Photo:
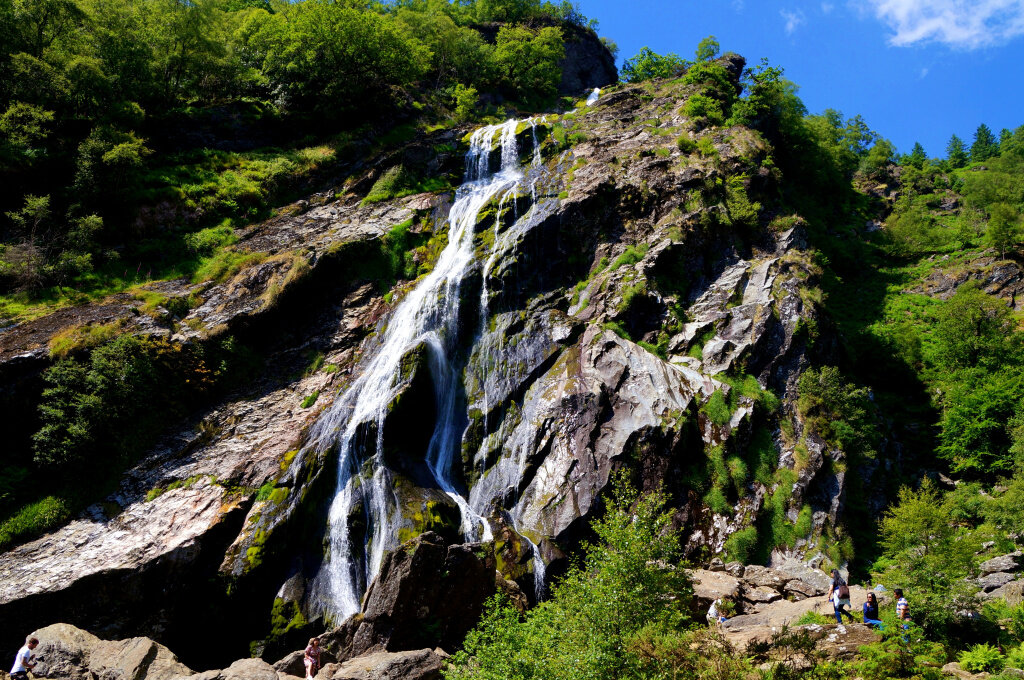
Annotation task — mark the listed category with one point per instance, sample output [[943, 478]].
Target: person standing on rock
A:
[[839, 593], [23, 662], [311, 658]]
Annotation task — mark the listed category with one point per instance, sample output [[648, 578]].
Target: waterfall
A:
[[592, 97], [428, 315]]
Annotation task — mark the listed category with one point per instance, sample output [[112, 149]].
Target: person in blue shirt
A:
[[871, 612]]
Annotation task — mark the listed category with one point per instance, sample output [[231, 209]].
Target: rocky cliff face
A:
[[643, 312]]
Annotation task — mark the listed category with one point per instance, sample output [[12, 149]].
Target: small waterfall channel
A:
[[428, 315]]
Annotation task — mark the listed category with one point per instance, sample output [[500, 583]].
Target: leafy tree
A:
[[972, 329], [527, 61], [985, 145], [878, 158], [26, 261], [929, 557], [629, 581], [912, 227], [847, 142], [25, 127], [1003, 227], [837, 410], [457, 54], [707, 49], [956, 152], [648, 65], [331, 58], [42, 22]]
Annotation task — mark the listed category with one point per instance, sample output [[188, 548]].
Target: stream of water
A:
[[428, 316]]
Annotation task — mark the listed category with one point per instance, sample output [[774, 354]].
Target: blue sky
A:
[[917, 70]]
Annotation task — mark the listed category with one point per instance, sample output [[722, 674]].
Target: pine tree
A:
[[917, 157], [985, 145], [956, 152]]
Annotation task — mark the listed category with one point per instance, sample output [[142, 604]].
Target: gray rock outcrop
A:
[[421, 664], [68, 652], [401, 611]]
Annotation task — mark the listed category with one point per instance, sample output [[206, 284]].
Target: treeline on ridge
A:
[[126, 124]]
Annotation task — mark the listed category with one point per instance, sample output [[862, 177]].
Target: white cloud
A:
[[827, 7], [964, 24], [793, 20], [924, 72]]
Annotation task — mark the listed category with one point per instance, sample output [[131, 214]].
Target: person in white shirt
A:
[[23, 662]]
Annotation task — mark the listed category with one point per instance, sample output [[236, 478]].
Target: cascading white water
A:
[[592, 97], [427, 315]]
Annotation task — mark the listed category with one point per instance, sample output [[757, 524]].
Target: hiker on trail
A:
[[311, 658], [871, 611], [839, 593], [24, 662]]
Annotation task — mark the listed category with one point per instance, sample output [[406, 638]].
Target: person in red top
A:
[[311, 658]]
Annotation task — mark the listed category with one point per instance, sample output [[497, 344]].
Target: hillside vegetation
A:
[[139, 139], [136, 134]]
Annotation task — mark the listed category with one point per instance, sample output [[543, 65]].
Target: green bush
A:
[[706, 146], [686, 144], [981, 658], [630, 256], [740, 546], [717, 408], [702, 106], [628, 581], [1015, 657], [34, 519]]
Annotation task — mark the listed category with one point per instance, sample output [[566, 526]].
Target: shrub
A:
[[702, 106], [981, 658], [698, 653], [1015, 657], [627, 583], [686, 144], [630, 256], [706, 146], [717, 408], [740, 545]]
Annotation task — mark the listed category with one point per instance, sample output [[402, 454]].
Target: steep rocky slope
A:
[[642, 310]]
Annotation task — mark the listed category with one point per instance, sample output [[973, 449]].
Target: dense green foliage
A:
[[630, 593], [126, 126], [99, 414]]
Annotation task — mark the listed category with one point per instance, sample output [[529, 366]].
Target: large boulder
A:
[[1003, 563], [243, 669], [1012, 592], [765, 577], [427, 594], [761, 594], [709, 586], [990, 582], [798, 570], [798, 590], [420, 664], [65, 651]]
